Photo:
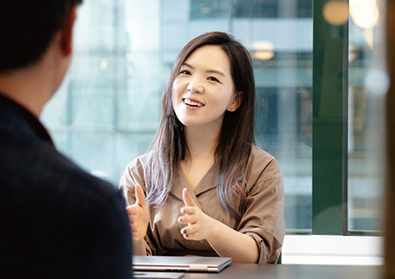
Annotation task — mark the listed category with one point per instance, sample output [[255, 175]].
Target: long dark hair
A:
[[169, 146]]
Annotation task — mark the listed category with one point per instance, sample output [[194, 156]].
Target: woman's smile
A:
[[203, 89], [192, 103]]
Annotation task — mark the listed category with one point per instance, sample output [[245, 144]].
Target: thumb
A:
[[187, 198], [140, 197]]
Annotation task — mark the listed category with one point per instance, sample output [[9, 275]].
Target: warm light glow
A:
[[368, 35], [352, 53], [263, 55], [364, 13], [205, 10], [335, 12], [103, 64], [263, 50], [263, 45], [352, 56]]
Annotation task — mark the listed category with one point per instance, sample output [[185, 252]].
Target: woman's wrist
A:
[[215, 231], [139, 247]]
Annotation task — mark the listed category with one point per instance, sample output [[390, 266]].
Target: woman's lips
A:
[[192, 103]]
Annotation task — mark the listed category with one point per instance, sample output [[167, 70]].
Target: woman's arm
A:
[[226, 241], [139, 247], [137, 208], [138, 218]]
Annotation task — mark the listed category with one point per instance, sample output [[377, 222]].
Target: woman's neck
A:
[[202, 142]]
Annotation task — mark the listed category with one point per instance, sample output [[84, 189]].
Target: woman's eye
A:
[[185, 72], [213, 79]]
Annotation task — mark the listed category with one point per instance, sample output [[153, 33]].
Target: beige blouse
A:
[[263, 218]]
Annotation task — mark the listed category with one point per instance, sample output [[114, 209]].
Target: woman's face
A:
[[203, 89]]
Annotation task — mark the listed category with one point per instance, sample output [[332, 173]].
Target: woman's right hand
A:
[[138, 214]]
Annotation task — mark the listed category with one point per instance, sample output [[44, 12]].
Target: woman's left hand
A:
[[225, 241], [199, 225]]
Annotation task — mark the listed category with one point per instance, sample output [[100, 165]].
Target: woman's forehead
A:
[[212, 57]]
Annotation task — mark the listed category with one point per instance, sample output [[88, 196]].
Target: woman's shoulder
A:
[[261, 162], [134, 173], [138, 164], [260, 155]]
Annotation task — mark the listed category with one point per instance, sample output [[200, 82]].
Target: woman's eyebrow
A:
[[216, 72], [208, 71], [186, 64]]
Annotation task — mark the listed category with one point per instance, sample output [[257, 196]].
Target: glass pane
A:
[[367, 86], [108, 108]]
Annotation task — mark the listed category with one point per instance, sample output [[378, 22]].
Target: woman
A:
[[205, 188]]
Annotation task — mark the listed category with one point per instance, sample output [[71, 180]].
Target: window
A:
[[366, 89], [256, 9], [312, 97], [209, 9]]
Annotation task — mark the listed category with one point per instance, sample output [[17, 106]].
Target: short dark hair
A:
[[27, 28]]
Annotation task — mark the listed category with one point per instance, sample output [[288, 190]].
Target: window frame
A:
[[330, 120], [330, 127]]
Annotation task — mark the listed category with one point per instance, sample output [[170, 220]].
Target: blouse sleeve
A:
[[132, 176], [263, 219]]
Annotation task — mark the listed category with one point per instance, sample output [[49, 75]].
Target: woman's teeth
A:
[[192, 103]]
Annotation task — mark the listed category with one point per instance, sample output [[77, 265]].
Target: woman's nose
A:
[[195, 86]]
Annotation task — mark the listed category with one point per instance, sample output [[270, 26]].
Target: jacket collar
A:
[[207, 183], [20, 119]]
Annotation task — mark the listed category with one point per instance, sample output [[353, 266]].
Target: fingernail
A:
[[181, 220], [185, 231], [184, 210], [186, 235]]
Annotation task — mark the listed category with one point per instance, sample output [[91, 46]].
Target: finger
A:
[[133, 219], [131, 209], [140, 197], [187, 219], [188, 230], [187, 198], [188, 210], [189, 236]]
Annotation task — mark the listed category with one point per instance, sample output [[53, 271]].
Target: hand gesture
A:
[[138, 214], [200, 226]]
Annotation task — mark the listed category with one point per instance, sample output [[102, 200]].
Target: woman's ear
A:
[[236, 102]]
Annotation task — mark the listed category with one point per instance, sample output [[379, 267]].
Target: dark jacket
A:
[[56, 220]]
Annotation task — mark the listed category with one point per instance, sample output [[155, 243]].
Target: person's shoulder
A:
[[260, 156], [36, 162], [139, 163], [79, 180], [96, 197], [67, 177], [262, 162]]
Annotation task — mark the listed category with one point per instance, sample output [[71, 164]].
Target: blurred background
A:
[[109, 106]]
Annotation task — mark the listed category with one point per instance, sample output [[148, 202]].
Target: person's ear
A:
[[236, 102], [67, 32]]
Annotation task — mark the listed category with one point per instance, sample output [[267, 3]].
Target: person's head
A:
[[203, 89], [28, 27], [204, 60], [219, 52]]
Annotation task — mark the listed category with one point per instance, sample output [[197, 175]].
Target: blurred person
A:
[[56, 220], [205, 189]]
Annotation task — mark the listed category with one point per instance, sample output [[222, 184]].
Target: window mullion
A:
[[330, 95]]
